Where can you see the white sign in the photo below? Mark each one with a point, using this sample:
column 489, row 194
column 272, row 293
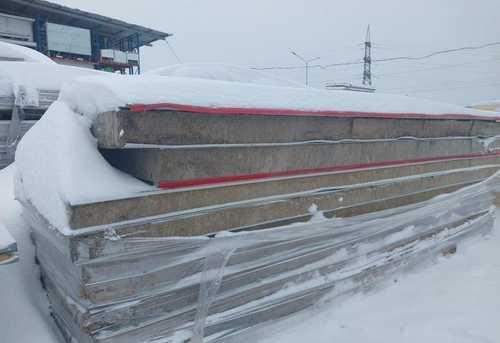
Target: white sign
column 69, row 39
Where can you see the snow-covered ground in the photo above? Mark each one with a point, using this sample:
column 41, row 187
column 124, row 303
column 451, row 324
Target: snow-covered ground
column 24, row 309
column 454, row 301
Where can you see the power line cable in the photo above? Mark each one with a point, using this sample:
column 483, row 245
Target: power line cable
column 446, row 66
column 491, row 76
column 430, row 90
column 435, row 90
column 173, row 51
column 322, row 66
column 389, row 59
column 440, row 52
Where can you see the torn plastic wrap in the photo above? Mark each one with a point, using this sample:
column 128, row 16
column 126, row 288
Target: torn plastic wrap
column 211, row 289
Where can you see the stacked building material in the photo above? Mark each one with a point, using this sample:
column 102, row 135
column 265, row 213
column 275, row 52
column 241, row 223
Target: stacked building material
column 26, row 92
column 259, row 214
column 11, row 131
column 45, row 97
column 17, row 112
column 16, row 118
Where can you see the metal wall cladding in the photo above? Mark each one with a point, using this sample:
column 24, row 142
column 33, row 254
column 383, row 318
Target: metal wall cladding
column 68, row 39
column 16, row 27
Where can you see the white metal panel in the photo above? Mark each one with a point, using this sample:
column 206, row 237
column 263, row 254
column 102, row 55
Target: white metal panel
column 68, row 39
column 18, row 42
column 132, row 57
column 120, row 56
column 16, row 27
column 108, row 53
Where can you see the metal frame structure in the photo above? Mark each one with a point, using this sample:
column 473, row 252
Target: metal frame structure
column 367, row 72
column 106, row 33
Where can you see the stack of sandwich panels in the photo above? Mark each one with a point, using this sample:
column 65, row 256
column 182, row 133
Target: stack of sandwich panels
column 27, row 89
column 6, row 102
column 45, row 98
column 259, row 215
column 9, row 136
column 15, row 122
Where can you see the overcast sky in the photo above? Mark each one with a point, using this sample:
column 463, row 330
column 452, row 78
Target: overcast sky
column 263, row 32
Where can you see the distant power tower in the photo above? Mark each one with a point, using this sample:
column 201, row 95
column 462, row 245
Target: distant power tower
column 367, row 72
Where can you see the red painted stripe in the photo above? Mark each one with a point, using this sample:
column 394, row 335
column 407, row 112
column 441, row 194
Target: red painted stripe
column 261, row 176
column 292, row 112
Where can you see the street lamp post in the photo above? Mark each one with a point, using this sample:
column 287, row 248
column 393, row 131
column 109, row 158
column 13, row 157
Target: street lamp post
column 306, row 62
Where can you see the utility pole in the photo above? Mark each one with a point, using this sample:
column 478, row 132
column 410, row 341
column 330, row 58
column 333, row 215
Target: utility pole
column 367, row 72
column 306, row 62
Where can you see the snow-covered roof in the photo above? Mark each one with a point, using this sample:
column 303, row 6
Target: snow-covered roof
column 222, row 72
column 15, row 52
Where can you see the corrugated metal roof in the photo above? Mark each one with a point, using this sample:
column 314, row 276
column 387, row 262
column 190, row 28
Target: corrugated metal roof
column 64, row 15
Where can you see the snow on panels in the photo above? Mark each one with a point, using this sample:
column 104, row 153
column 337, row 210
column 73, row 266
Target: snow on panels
column 223, row 72
column 94, row 95
column 14, row 52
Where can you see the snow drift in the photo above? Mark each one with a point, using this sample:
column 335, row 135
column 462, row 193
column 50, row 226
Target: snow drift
column 101, row 94
column 24, row 80
column 16, row 52
column 223, row 72
column 58, row 162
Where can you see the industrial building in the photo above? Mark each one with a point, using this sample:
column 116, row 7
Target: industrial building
column 74, row 37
